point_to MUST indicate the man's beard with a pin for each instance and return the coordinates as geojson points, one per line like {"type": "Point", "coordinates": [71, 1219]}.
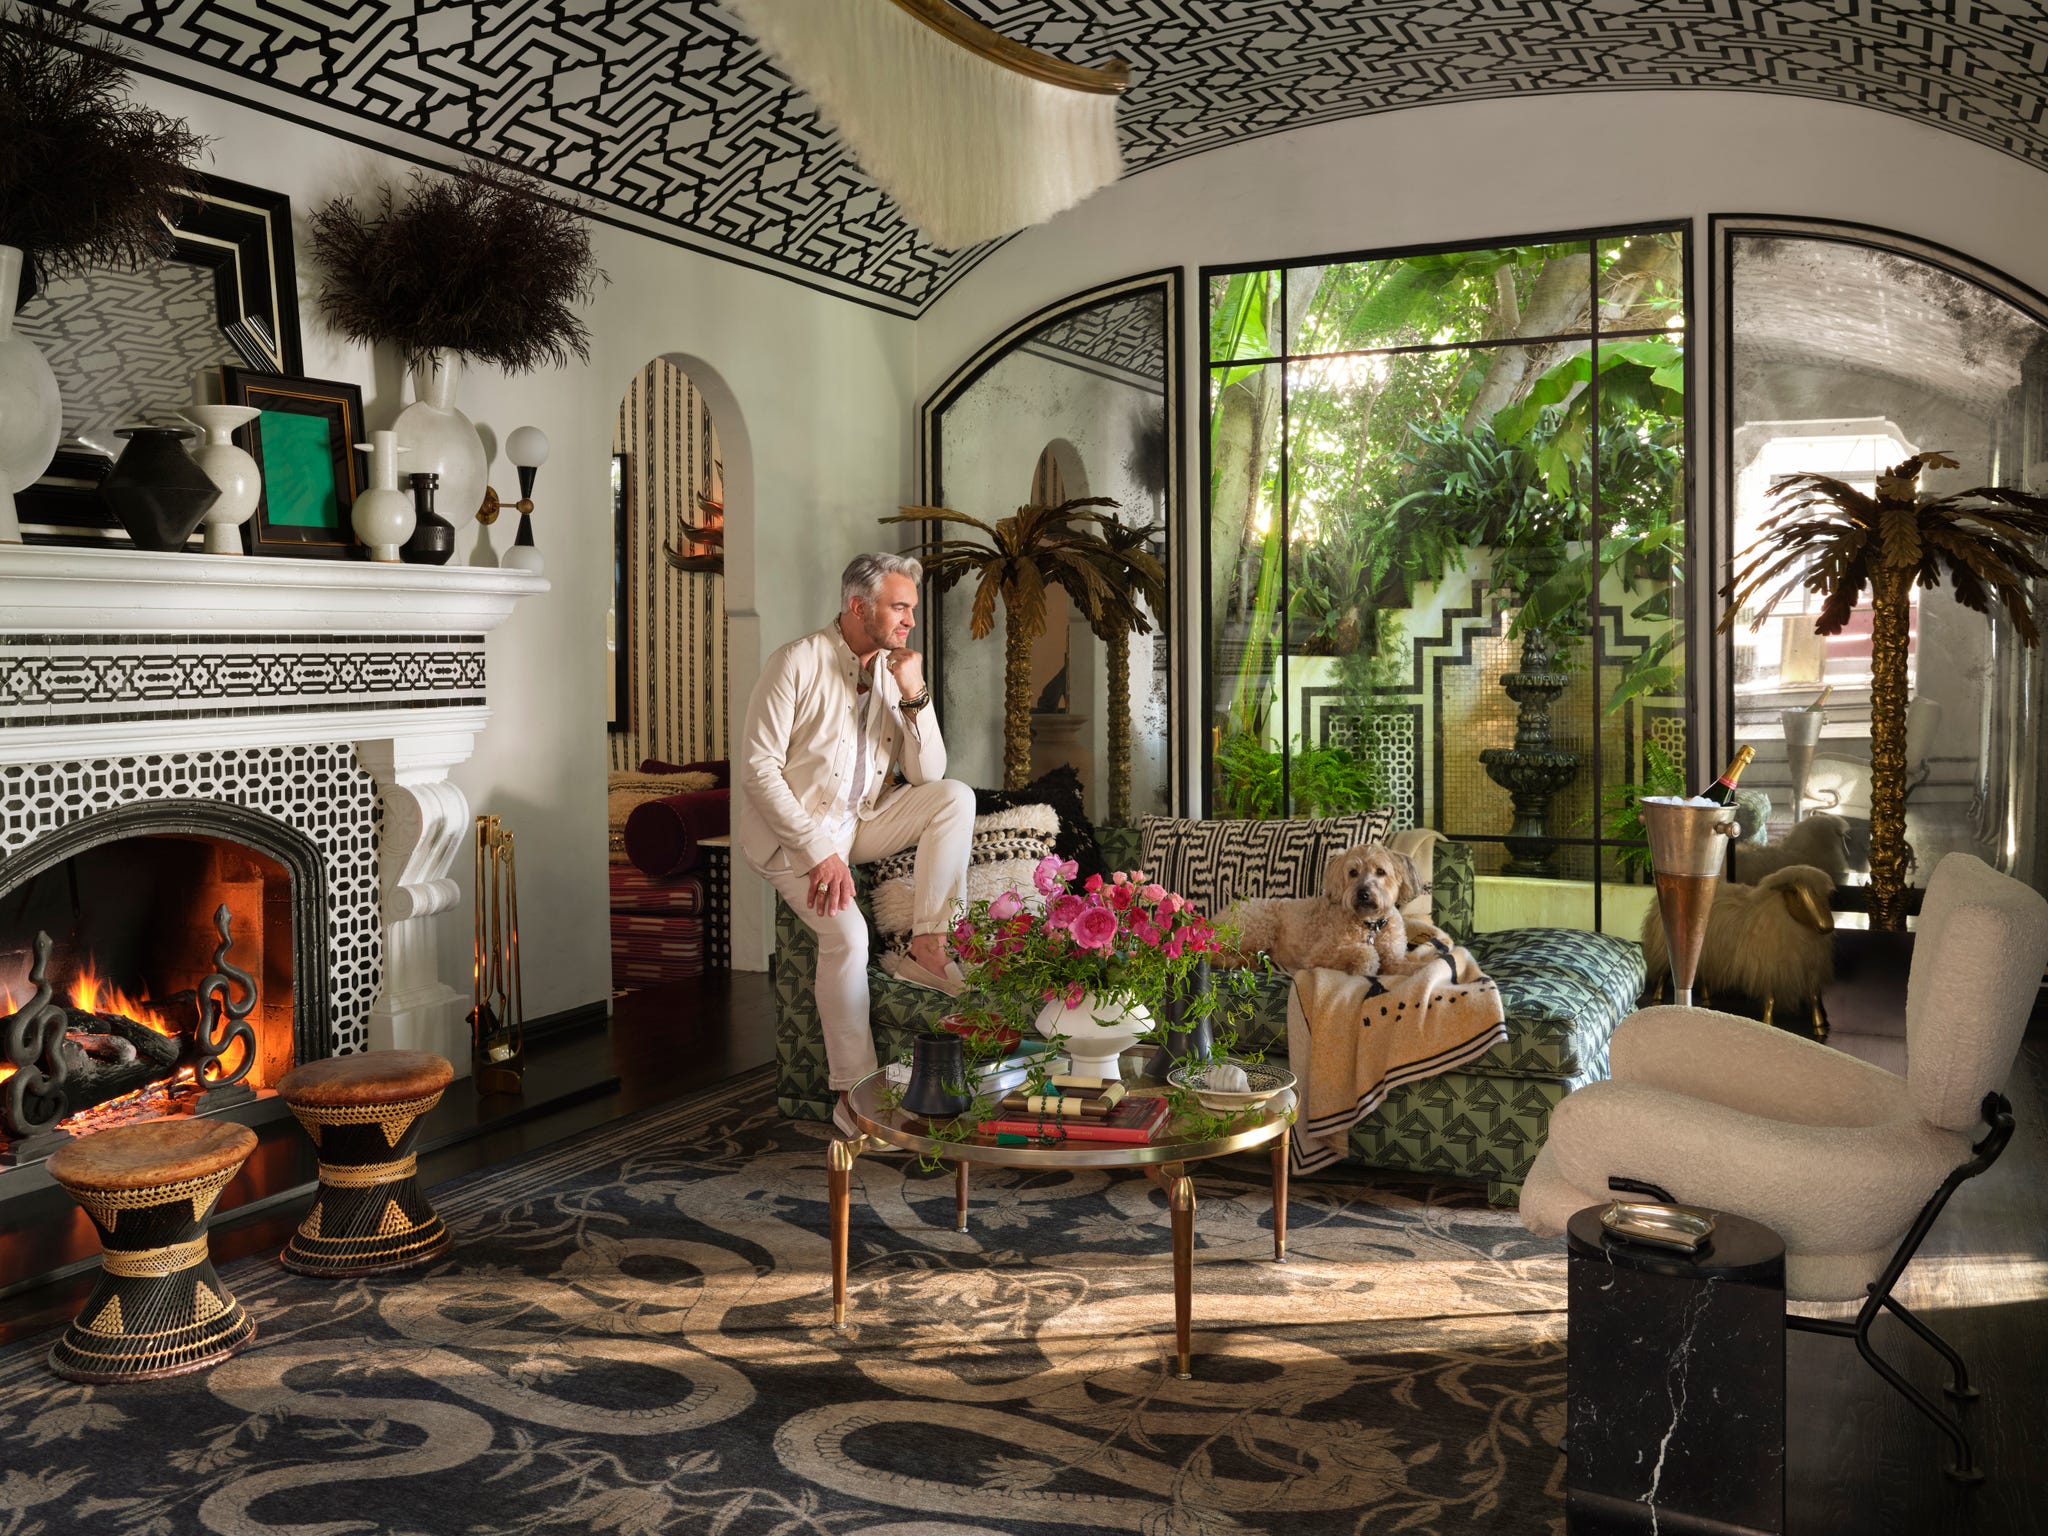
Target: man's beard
{"type": "Point", "coordinates": [869, 632]}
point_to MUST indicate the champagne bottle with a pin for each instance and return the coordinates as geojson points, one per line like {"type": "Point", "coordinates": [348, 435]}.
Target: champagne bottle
{"type": "Point", "coordinates": [1722, 790]}
{"type": "Point", "coordinates": [1816, 704]}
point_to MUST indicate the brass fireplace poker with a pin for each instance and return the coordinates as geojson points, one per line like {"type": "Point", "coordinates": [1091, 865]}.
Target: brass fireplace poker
{"type": "Point", "coordinates": [497, 1022]}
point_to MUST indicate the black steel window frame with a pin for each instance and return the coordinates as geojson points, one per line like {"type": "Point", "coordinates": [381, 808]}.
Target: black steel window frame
{"type": "Point", "coordinates": [1696, 687]}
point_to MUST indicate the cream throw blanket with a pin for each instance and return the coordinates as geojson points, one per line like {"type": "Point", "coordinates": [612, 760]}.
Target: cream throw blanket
{"type": "Point", "coordinates": [1353, 1039]}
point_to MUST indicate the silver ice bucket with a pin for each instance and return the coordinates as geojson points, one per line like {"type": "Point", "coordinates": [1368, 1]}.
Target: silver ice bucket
{"type": "Point", "coordinates": [1688, 847]}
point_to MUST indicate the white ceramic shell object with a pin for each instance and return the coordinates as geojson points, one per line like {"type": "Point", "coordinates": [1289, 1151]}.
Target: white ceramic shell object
{"type": "Point", "coordinates": [31, 416]}
{"type": "Point", "coordinates": [383, 518]}
{"type": "Point", "coordinates": [1227, 1078]}
{"type": "Point", "coordinates": [439, 439]}
{"type": "Point", "coordinates": [229, 467]}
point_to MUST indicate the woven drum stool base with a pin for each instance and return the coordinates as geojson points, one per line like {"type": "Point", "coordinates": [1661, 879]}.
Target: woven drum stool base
{"type": "Point", "coordinates": [363, 1112]}
{"type": "Point", "coordinates": [106, 1351]}
{"type": "Point", "coordinates": [158, 1309]}
{"type": "Point", "coordinates": [366, 1220]}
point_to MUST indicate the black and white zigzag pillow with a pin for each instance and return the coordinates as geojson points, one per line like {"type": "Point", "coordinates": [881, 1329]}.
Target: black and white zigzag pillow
{"type": "Point", "coordinates": [1214, 863]}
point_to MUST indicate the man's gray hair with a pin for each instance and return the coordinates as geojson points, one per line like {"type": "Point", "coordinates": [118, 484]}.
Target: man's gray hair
{"type": "Point", "coordinates": [863, 577]}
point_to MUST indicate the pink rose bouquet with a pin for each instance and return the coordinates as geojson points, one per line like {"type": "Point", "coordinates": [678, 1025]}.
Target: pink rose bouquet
{"type": "Point", "coordinates": [1125, 940]}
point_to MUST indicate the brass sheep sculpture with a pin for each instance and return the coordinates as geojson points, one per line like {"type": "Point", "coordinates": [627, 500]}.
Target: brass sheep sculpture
{"type": "Point", "coordinates": [1773, 941]}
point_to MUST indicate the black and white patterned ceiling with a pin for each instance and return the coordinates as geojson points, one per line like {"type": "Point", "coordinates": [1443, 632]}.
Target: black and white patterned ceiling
{"type": "Point", "coordinates": [669, 113]}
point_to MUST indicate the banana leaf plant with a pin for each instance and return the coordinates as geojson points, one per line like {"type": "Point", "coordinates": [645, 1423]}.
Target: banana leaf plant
{"type": "Point", "coordinates": [1833, 540]}
{"type": "Point", "coordinates": [1022, 554]}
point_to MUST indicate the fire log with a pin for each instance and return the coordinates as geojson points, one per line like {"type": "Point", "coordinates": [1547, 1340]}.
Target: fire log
{"type": "Point", "coordinates": [164, 1050]}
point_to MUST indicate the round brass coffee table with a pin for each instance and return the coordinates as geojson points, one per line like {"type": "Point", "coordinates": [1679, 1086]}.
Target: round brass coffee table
{"type": "Point", "coordinates": [1165, 1160]}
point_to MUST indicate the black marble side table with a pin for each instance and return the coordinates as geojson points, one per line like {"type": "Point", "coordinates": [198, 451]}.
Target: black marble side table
{"type": "Point", "coordinates": [1675, 1382]}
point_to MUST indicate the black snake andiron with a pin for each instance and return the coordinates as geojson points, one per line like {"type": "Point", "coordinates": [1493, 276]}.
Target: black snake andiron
{"type": "Point", "coordinates": [34, 1036]}
{"type": "Point", "coordinates": [222, 1021]}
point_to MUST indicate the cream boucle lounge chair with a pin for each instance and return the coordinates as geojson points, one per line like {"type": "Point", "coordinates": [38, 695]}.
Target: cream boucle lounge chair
{"type": "Point", "coordinates": [1849, 1163]}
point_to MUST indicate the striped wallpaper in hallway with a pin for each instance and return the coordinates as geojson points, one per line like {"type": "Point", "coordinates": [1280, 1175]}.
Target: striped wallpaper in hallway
{"type": "Point", "coordinates": [676, 626]}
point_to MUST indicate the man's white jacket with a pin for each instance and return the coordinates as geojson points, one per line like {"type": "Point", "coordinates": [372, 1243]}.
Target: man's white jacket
{"type": "Point", "coordinates": [797, 749]}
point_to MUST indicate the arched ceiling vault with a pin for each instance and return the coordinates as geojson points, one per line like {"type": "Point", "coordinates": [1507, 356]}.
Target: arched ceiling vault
{"type": "Point", "coordinates": [667, 116]}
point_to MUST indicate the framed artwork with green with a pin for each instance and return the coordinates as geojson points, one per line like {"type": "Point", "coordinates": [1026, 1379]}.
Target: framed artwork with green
{"type": "Point", "coordinates": [304, 442]}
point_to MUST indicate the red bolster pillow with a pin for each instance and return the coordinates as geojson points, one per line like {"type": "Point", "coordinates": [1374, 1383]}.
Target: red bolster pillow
{"type": "Point", "coordinates": [662, 835]}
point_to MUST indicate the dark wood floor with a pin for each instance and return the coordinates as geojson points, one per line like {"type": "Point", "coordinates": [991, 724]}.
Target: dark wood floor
{"type": "Point", "coordinates": [1862, 1463]}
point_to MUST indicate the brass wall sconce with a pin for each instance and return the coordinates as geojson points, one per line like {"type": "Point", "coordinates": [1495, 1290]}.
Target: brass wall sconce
{"type": "Point", "coordinates": [497, 1024]}
{"type": "Point", "coordinates": [527, 448]}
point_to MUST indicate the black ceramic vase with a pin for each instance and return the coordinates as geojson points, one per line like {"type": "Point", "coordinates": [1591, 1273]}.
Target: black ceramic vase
{"type": "Point", "coordinates": [1185, 1039]}
{"type": "Point", "coordinates": [433, 536]}
{"type": "Point", "coordinates": [938, 1076]}
{"type": "Point", "coordinates": [155, 490]}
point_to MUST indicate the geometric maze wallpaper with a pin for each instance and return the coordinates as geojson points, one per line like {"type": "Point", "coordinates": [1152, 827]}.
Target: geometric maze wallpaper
{"type": "Point", "coordinates": [668, 110]}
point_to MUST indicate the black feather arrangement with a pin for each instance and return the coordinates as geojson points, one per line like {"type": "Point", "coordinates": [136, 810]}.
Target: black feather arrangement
{"type": "Point", "coordinates": [480, 262]}
{"type": "Point", "coordinates": [86, 178]}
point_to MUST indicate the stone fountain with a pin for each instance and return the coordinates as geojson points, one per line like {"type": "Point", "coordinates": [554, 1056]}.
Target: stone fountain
{"type": "Point", "coordinates": [1532, 771]}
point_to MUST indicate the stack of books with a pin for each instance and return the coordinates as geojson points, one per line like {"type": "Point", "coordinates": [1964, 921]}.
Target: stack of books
{"type": "Point", "coordinates": [1078, 1109]}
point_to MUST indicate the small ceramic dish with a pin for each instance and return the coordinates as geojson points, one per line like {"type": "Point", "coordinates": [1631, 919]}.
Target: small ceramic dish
{"type": "Point", "coordinates": [1265, 1082]}
{"type": "Point", "coordinates": [1665, 1226]}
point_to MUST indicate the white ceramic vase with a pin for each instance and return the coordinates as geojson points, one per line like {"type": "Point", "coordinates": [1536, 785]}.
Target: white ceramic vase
{"type": "Point", "coordinates": [31, 417]}
{"type": "Point", "coordinates": [383, 518]}
{"type": "Point", "coordinates": [439, 439]}
{"type": "Point", "coordinates": [1093, 1048]}
{"type": "Point", "coordinates": [230, 468]}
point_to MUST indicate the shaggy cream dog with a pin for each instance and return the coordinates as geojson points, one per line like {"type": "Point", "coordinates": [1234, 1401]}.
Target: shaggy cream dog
{"type": "Point", "coordinates": [1355, 925]}
{"type": "Point", "coordinates": [1773, 941]}
{"type": "Point", "coordinates": [1821, 841]}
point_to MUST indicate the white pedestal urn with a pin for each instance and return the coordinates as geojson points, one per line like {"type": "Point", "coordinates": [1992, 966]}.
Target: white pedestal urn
{"type": "Point", "coordinates": [383, 517]}
{"type": "Point", "coordinates": [230, 468]}
{"type": "Point", "coordinates": [1093, 1048]}
{"type": "Point", "coordinates": [31, 419]}
{"type": "Point", "coordinates": [438, 439]}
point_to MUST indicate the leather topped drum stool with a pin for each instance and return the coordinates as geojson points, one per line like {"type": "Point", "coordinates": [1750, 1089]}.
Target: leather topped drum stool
{"type": "Point", "coordinates": [159, 1309]}
{"type": "Point", "coordinates": [363, 1113]}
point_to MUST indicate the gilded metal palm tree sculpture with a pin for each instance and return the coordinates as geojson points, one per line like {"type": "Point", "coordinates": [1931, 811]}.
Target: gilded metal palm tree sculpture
{"type": "Point", "coordinates": [1024, 553]}
{"type": "Point", "coordinates": [1829, 538]}
{"type": "Point", "coordinates": [1138, 575]}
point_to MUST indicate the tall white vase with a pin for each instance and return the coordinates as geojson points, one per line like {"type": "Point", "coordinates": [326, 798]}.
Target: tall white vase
{"type": "Point", "coordinates": [383, 517]}
{"type": "Point", "coordinates": [230, 468]}
{"type": "Point", "coordinates": [31, 417]}
{"type": "Point", "coordinates": [438, 439]}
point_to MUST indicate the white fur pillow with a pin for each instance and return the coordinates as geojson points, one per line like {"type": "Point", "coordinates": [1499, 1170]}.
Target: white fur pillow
{"type": "Point", "coordinates": [1007, 848]}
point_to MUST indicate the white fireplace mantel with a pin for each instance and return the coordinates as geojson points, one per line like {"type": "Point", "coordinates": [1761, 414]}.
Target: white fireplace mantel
{"type": "Point", "coordinates": [119, 654]}
{"type": "Point", "coordinates": [44, 589]}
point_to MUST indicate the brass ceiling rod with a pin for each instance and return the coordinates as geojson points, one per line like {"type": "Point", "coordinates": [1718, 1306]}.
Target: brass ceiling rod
{"type": "Point", "coordinates": [1112, 79]}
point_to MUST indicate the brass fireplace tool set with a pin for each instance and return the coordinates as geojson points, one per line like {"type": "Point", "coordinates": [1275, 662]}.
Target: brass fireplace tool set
{"type": "Point", "coordinates": [497, 1022]}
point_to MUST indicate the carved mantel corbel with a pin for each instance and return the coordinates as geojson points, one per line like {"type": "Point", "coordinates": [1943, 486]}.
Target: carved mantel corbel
{"type": "Point", "coordinates": [425, 824]}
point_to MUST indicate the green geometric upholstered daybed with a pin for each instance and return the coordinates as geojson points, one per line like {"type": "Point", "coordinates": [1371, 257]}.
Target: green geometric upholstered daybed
{"type": "Point", "coordinates": [1564, 992]}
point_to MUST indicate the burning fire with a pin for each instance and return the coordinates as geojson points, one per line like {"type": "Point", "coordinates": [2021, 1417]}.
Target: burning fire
{"type": "Point", "coordinates": [89, 992]}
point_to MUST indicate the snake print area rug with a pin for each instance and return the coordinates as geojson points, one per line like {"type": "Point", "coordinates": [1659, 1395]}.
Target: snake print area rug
{"type": "Point", "coordinates": [633, 1334]}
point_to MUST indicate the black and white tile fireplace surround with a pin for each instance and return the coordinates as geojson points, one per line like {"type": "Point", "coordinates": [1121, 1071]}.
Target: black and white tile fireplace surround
{"type": "Point", "coordinates": [328, 698]}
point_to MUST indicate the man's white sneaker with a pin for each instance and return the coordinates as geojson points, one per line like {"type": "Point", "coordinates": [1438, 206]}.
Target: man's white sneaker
{"type": "Point", "coordinates": [842, 1117]}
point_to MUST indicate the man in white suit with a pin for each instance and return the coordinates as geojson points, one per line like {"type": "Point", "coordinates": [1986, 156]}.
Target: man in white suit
{"type": "Point", "coordinates": [832, 715]}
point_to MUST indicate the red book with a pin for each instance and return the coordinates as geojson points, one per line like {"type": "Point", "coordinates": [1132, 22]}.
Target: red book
{"type": "Point", "coordinates": [1134, 1120]}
